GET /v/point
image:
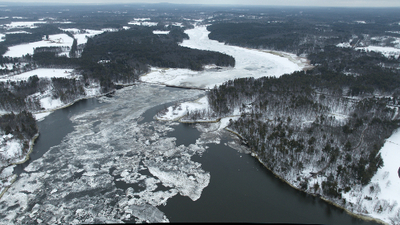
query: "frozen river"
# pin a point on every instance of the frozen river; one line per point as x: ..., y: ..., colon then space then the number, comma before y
x: 106, y: 160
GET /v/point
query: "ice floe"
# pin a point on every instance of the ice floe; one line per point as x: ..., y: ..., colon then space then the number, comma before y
x: 111, y: 168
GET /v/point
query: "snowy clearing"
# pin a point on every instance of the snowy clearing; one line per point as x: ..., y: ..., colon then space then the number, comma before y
x: 249, y: 63
x: 21, y: 24
x: 177, y: 111
x: 386, y: 51
x: 41, y: 73
x: 57, y: 40
x: 81, y: 35
x: 143, y: 23
x: 160, y: 32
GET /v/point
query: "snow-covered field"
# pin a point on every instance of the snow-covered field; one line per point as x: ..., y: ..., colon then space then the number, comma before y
x: 386, y: 51
x: 249, y: 63
x: 41, y: 73
x: 143, y: 22
x: 160, y: 32
x: 21, y: 24
x: 56, y: 40
x: 81, y: 35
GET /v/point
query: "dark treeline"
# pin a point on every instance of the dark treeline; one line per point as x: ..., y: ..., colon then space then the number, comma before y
x: 328, y: 119
x: 290, y: 122
x: 302, y: 34
x: 14, y: 95
x: 21, y: 125
x: 129, y: 52
x: 124, y: 55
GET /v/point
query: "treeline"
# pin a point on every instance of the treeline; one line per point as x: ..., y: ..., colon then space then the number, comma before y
x: 121, y: 57
x: 21, y: 125
x: 298, y: 121
x: 129, y: 52
x: 300, y: 35
x: 35, y: 34
x: 16, y: 96
x: 286, y: 36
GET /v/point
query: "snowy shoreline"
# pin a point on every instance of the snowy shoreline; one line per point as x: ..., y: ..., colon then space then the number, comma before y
x: 40, y: 115
x: 181, y: 110
x: 253, y: 153
x: 26, y: 158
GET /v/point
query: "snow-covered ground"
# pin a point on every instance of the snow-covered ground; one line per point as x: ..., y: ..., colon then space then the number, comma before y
x: 381, y: 198
x: 173, y: 113
x: 81, y: 35
x: 385, y: 185
x: 11, y: 152
x: 46, y: 100
x: 143, y: 22
x: 21, y: 24
x: 160, y: 32
x: 41, y: 73
x: 386, y: 51
x: 249, y: 63
x: 56, y: 40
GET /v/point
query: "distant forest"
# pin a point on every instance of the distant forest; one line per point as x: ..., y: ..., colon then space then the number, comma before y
x: 329, y: 118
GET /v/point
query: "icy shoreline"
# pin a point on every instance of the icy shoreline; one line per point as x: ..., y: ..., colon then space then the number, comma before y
x: 39, y: 115
x: 181, y: 110
x: 11, y: 179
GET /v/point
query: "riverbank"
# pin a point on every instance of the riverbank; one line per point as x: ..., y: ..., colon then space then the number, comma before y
x: 26, y: 158
x: 40, y: 115
x: 291, y: 184
x: 179, y: 111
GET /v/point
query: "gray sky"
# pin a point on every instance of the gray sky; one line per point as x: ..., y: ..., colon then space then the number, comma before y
x: 335, y: 3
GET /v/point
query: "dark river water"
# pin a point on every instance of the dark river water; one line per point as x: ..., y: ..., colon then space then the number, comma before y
x: 240, y: 188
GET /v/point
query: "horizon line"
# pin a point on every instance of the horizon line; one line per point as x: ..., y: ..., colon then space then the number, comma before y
x: 52, y: 3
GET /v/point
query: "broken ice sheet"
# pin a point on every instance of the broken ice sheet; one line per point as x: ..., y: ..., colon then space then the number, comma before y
x: 76, y: 181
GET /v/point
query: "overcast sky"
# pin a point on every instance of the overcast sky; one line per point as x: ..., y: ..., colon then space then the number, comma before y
x: 335, y: 3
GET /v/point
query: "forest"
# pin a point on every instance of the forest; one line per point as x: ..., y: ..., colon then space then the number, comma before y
x: 129, y: 53
x: 338, y: 113
x: 332, y: 119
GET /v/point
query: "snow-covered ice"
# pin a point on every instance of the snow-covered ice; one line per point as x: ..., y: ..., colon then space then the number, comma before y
x: 108, y: 147
x: 249, y: 63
